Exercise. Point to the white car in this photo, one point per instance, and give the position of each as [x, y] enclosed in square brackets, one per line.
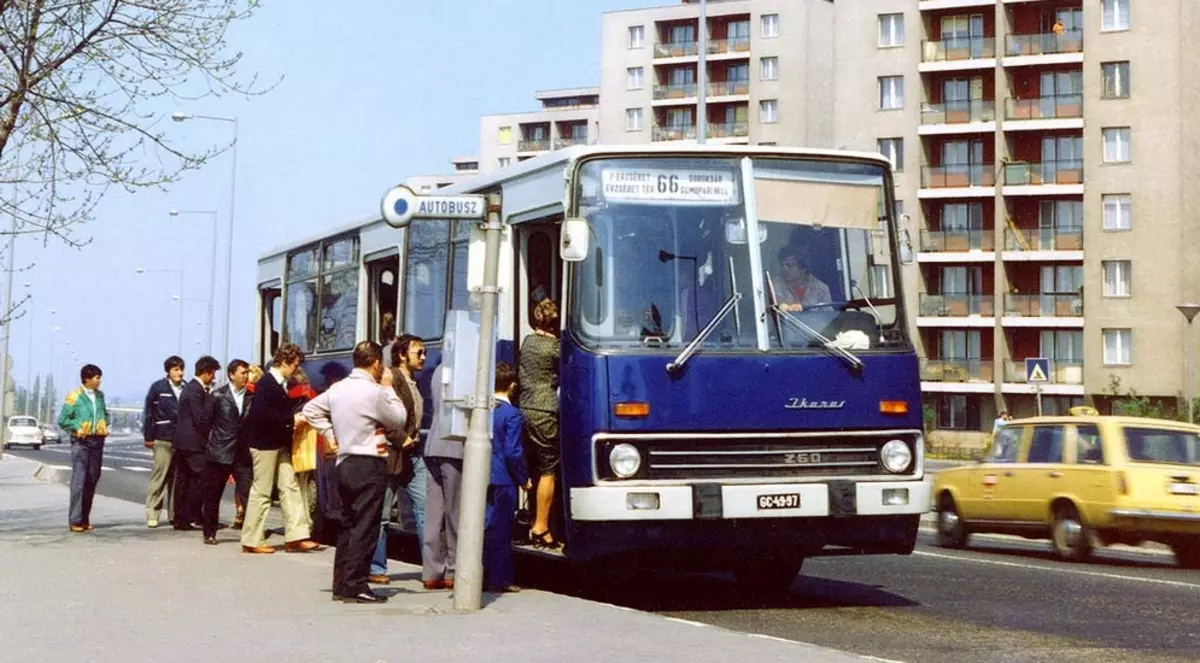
[23, 431]
[51, 434]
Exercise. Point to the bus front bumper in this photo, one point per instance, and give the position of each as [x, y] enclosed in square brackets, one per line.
[715, 501]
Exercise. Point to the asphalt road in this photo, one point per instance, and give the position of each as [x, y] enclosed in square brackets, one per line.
[1003, 599]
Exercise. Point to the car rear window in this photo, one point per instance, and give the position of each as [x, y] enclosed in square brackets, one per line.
[1156, 445]
[22, 421]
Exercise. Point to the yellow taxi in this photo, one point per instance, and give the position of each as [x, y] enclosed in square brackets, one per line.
[1080, 480]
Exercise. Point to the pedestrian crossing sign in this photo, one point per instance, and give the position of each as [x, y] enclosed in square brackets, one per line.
[1037, 370]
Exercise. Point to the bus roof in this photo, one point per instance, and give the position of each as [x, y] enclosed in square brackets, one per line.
[559, 158]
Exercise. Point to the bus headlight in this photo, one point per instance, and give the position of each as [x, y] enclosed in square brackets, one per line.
[625, 460]
[896, 456]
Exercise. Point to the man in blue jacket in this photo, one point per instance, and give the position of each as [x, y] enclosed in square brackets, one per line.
[160, 417]
[508, 473]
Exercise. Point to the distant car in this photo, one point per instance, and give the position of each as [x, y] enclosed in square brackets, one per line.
[1079, 481]
[23, 431]
[51, 434]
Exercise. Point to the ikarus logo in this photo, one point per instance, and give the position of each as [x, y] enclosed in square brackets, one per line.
[805, 404]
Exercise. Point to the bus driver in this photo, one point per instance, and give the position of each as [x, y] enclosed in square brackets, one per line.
[797, 287]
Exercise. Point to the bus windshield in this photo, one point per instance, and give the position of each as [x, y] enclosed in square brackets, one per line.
[670, 255]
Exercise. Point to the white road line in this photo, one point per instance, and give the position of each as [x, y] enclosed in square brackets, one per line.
[134, 468]
[1078, 572]
[58, 467]
[108, 469]
[687, 621]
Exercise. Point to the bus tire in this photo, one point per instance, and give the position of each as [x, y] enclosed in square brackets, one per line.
[768, 575]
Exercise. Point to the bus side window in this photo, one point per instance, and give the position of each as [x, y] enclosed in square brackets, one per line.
[426, 279]
[383, 275]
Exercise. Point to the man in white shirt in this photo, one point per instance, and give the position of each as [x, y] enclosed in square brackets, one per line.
[353, 416]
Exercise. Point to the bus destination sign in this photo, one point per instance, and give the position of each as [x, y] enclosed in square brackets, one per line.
[661, 185]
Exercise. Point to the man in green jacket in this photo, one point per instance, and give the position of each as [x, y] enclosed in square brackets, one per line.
[85, 416]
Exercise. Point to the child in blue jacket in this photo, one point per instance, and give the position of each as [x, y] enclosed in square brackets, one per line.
[508, 474]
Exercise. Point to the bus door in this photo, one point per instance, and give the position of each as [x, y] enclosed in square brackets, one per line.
[270, 325]
[540, 272]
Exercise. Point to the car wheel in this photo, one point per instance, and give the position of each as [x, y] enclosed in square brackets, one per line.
[1187, 553]
[951, 530]
[37, 447]
[1072, 537]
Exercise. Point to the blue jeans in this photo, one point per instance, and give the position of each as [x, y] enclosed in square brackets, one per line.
[86, 455]
[415, 487]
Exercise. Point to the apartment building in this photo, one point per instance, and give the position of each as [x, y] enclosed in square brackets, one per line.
[567, 117]
[768, 63]
[463, 168]
[1044, 153]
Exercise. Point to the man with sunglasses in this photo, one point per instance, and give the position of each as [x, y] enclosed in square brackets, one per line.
[406, 465]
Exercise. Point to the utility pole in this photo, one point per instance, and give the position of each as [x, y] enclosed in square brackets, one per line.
[702, 76]
[1189, 312]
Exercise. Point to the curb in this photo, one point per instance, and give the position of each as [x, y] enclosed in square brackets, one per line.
[52, 473]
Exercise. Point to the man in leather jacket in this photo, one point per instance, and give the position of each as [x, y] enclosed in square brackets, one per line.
[226, 443]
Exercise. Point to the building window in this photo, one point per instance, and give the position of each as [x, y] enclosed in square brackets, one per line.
[1118, 346]
[637, 36]
[1116, 80]
[891, 30]
[1116, 144]
[770, 25]
[770, 69]
[893, 149]
[505, 161]
[634, 78]
[504, 136]
[633, 119]
[1118, 211]
[1116, 15]
[768, 111]
[1116, 278]
[891, 92]
[952, 412]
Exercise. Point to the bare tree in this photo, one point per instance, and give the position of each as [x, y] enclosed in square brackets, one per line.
[76, 80]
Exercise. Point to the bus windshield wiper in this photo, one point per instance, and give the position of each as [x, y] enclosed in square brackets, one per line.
[694, 345]
[850, 357]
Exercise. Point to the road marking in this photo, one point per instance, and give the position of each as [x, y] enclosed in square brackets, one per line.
[134, 468]
[687, 621]
[1078, 572]
[107, 468]
[58, 467]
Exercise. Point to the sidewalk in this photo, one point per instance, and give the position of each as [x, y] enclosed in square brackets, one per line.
[126, 593]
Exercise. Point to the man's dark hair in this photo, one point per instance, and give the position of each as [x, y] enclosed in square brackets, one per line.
[401, 346]
[236, 364]
[207, 364]
[287, 354]
[792, 251]
[89, 371]
[505, 377]
[174, 361]
[366, 353]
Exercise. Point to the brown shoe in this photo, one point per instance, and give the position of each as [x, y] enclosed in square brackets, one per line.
[77, 528]
[434, 585]
[258, 550]
[379, 579]
[302, 546]
[448, 583]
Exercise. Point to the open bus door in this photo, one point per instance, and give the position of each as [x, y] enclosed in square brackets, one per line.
[270, 321]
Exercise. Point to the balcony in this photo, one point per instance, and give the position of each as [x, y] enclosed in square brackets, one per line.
[1062, 371]
[957, 306]
[729, 130]
[560, 143]
[958, 176]
[674, 133]
[1056, 107]
[950, 241]
[676, 91]
[1016, 46]
[534, 145]
[1044, 306]
[957, 117]
[1043, 239]
[958, 53]
[1064, 176]
[680, 49]
[728, 88]
[734, 45]
[956, 370]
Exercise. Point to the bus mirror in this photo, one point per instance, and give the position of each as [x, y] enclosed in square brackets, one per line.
[737, 234]
[573, 245]
[906, 250]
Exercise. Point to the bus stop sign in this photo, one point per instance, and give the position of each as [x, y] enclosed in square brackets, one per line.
[401, 205]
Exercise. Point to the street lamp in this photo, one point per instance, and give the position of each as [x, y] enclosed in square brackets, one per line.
[180, 117]
[1189, 312]
[179, 273]
[212, 281]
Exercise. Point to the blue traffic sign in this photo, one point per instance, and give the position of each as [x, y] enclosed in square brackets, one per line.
[1037, 370]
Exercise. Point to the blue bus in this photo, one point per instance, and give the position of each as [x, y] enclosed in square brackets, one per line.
[738, 389]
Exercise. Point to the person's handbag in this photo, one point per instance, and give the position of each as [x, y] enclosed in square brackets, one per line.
[304, 448]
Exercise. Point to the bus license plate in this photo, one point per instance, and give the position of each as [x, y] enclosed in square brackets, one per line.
[1183, 489]
[782, 501]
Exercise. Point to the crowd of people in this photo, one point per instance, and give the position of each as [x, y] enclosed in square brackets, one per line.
[347, 452]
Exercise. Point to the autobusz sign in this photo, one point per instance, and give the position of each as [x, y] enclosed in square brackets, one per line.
[401, 205]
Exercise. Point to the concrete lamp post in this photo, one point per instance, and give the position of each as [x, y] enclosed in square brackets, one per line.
[212, 271]
[1189, 312]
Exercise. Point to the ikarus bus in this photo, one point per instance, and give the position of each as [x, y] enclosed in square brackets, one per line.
[737, 388]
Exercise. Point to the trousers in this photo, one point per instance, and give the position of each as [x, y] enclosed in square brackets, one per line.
[360, 484]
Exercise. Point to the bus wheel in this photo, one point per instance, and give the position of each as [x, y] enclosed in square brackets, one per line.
[768, 575]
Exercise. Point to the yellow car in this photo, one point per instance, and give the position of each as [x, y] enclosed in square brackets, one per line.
[1079, 481]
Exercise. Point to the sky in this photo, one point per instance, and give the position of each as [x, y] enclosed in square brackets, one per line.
[372, 92]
